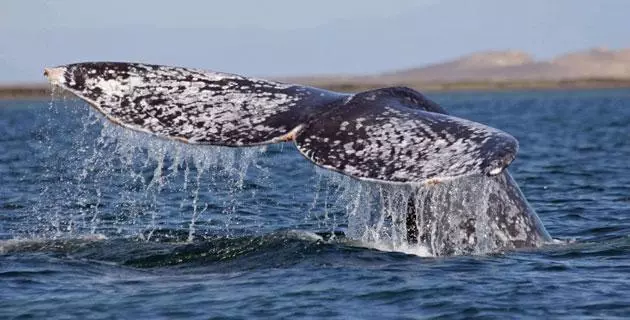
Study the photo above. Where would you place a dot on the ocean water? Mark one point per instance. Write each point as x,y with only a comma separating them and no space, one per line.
98,222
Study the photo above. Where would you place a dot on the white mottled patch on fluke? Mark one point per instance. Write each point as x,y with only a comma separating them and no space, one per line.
55,75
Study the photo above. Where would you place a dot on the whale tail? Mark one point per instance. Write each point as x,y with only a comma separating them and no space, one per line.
391,135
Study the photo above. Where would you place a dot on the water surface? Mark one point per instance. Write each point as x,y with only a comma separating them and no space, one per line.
99,222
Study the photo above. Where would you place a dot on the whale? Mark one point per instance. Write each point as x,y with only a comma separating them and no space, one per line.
393,136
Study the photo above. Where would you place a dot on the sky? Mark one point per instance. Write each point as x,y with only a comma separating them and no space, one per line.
278,38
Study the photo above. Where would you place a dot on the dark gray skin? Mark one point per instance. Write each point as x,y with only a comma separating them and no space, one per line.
473,215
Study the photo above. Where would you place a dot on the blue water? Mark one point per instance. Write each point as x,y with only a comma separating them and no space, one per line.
98,222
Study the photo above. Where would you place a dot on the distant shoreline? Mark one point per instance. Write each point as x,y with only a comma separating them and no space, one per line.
506,85
44,91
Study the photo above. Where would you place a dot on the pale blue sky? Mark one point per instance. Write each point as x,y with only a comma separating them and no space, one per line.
291,37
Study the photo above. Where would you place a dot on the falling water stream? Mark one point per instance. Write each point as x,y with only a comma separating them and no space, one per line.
142,168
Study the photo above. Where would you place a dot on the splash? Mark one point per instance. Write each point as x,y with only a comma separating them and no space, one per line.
121,183
450,218
117,182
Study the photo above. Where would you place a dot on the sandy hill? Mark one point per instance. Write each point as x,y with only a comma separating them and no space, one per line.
509,65
517,65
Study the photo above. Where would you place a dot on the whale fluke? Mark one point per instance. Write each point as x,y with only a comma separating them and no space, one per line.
383,135
391,135
193,106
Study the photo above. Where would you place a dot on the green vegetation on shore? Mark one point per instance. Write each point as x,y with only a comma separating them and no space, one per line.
44,91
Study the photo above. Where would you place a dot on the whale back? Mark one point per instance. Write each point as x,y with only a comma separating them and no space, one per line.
473,215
